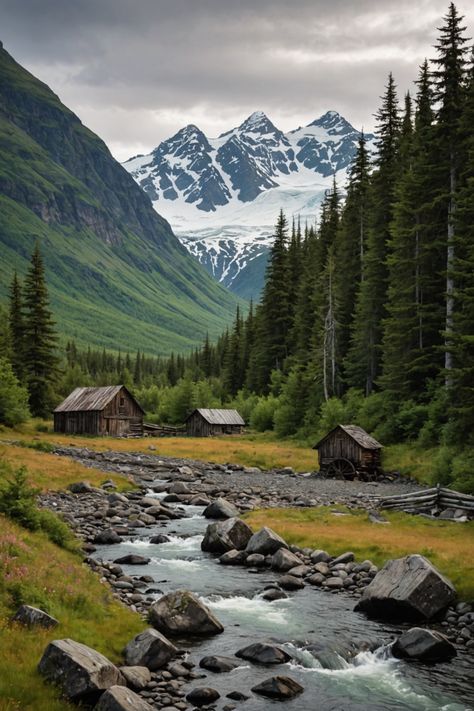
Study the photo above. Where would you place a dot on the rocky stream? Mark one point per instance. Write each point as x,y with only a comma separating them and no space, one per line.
246,621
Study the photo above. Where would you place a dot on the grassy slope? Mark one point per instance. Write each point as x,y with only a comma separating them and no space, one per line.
447,544
35,571
117,275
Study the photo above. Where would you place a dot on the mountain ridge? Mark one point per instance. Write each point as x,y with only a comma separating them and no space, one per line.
118,276
222,195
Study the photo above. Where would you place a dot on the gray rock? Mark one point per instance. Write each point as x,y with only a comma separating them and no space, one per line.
80,672
425,645
202,696
283,560
265,542
80,487
278,687
255,560
132,559
220,508
316,579
407,588
159,538
223,536
290,582
233,557
334,582
150,649
179,487
218,664
322,568
343,558
273,594
34,617
319,556
107,537
263,653
136,677
180,613
119,698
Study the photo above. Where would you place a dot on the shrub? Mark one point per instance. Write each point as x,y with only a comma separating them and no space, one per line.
262,415
13,397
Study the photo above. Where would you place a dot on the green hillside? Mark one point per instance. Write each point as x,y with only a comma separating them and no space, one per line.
117,275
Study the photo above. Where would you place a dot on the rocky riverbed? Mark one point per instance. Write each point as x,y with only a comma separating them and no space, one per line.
152,541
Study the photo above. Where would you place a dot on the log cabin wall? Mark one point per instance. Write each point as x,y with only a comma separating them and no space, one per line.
120,415
339,445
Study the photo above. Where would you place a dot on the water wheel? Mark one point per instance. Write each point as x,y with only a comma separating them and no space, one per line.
341,469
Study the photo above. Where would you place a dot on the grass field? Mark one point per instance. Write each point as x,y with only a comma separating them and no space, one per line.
448,545
260,450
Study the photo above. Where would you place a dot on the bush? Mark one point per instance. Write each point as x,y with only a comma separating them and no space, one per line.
455,469
13,397
263,412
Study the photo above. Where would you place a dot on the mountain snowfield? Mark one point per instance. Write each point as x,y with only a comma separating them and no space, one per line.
222,195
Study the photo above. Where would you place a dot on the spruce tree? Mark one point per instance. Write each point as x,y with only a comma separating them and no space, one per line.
449,94
16,322
362,364
41,362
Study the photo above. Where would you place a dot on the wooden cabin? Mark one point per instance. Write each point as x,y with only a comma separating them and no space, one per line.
110,410
347,452
207,422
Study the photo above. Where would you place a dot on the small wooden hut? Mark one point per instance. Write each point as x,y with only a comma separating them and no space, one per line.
206,422
110,410
349,451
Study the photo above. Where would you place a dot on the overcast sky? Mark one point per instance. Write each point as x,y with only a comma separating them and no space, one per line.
135,71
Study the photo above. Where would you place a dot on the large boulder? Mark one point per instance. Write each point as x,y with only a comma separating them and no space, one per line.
81,672
119,698
220,508
278,687
224,536
132,559
284,560
202,696
136,677
181,613
263,653
265,542
34,617
407,588
425,645
108,536
149,649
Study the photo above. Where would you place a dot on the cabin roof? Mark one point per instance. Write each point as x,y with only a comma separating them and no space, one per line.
90,399
219,417
358,435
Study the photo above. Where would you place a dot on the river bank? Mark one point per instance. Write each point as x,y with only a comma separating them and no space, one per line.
236,594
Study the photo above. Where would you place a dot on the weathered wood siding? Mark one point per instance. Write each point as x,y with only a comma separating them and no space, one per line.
121,416
198,426
339,445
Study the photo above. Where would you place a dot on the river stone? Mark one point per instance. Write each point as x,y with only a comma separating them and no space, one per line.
290,582
149,649
132,559
426,645
223,536
316,579
136,677
199,500
322,568
263,653
218,664
180,613
220,508
266,542
334,582
81,672
344,558
278,687
283,560
34,617
202,696
160,538
273,594
119,698
179,487
233,557
255,560
319,556
107,537
408,589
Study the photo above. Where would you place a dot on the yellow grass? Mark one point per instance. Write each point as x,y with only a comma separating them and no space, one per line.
48,471
448,545
249,450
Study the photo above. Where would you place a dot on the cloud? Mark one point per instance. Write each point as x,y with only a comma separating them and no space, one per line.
135,71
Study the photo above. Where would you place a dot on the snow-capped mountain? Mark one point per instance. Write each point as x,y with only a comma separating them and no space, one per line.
222,195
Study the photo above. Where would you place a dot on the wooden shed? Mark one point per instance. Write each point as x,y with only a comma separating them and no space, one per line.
349,451
110,410
206,422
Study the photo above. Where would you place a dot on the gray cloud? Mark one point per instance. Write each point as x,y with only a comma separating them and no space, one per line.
135,71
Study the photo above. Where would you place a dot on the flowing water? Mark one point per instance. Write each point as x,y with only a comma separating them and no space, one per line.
316,627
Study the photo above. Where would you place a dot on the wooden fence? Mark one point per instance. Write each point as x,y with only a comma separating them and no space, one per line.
162,430
427,500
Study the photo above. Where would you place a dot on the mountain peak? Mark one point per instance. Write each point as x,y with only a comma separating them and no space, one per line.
258,122
333,122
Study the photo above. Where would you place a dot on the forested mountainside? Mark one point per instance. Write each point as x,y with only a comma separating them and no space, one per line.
118,277
221,194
